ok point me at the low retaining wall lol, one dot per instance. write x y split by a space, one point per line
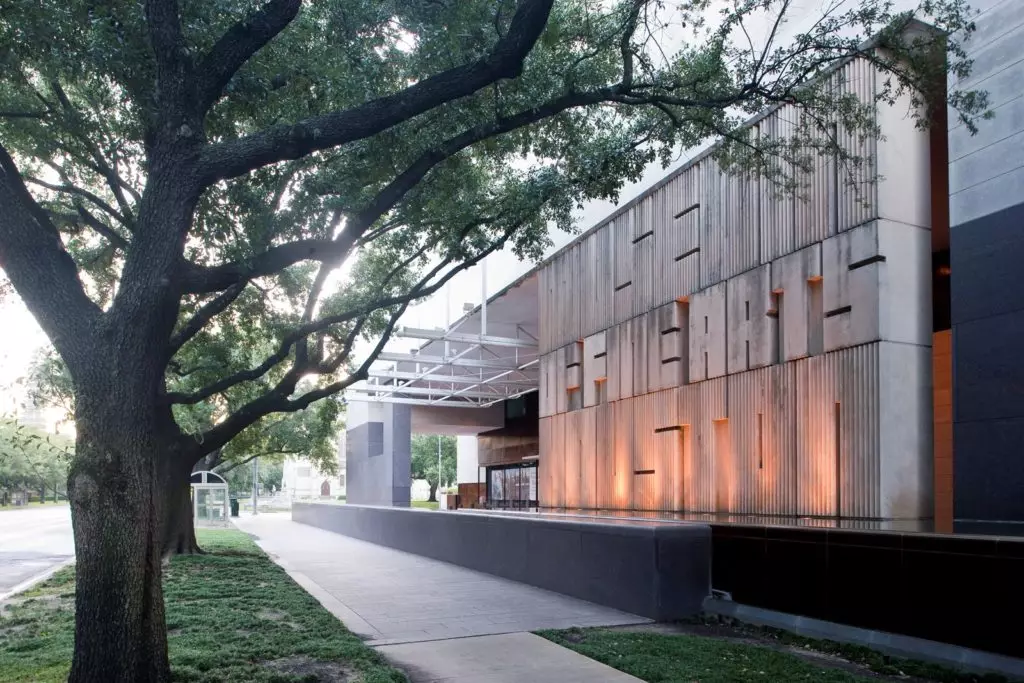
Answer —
963 590
658 572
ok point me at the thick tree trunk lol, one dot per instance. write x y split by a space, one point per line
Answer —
117 486
433 493
179 527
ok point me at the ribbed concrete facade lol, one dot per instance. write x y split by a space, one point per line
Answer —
715 347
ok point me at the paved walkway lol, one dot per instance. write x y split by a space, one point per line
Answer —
33 542
439 622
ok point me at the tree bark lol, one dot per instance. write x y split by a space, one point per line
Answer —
117 486
179 535
432 498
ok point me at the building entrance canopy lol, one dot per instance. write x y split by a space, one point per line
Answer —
487 356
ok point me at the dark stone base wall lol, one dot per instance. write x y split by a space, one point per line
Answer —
659 572
962 590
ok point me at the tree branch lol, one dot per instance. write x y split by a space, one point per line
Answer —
99 164
22 114
86 194
102 228
33 257
282 352
210 279
205 314
237 157
238 44
276 400
225 467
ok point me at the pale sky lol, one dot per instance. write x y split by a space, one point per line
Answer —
21 337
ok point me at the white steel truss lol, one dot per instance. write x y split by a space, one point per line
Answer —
464 338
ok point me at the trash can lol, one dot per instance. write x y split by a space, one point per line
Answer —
234 507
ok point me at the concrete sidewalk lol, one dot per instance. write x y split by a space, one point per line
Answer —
439 622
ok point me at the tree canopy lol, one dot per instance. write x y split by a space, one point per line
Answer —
32 460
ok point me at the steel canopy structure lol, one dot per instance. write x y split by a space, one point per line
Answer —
487 356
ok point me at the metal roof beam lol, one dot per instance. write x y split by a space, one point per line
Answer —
415 401
465 338
447 379
440 394
455 362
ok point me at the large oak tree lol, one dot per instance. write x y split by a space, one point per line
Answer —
286 177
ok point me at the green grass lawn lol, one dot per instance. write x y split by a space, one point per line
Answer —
681 658
232 615
424 504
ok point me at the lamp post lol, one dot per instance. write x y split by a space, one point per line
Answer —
438 468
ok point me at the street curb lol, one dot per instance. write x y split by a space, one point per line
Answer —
37 579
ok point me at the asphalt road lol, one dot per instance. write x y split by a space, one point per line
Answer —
33 541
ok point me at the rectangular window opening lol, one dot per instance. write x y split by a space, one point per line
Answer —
746 305
706 365
747 343
705 324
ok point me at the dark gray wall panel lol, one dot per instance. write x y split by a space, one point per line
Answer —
659 572
987 291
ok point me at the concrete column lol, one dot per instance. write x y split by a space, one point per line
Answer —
377 453
467 459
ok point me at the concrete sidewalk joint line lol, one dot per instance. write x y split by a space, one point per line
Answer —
403 604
